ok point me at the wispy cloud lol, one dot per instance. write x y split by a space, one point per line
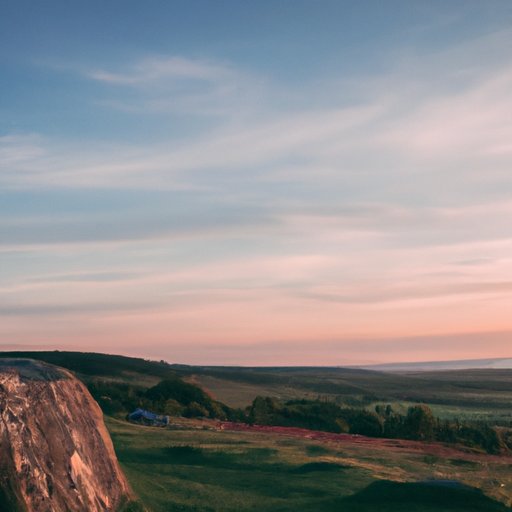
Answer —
393 132
395 293
162 85
154 70
60 309
368 209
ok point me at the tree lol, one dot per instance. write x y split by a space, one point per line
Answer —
420 423
262 410
195 410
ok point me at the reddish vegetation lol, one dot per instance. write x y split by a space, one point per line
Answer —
438 449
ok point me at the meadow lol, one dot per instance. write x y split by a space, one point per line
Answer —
464 394
196 467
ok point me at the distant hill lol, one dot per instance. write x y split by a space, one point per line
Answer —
99 365
428 366
453 385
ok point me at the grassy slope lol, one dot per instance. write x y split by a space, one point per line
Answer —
107 366
192 469
464 393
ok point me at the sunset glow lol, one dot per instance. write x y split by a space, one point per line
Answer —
289 183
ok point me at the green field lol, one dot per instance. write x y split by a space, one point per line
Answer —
465 394
197 469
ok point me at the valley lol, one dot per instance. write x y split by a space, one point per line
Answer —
212 457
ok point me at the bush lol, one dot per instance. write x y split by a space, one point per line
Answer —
365 423
419 423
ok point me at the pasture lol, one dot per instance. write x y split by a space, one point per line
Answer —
196 467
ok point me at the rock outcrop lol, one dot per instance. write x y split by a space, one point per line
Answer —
55 452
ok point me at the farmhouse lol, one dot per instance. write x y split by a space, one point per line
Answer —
148 418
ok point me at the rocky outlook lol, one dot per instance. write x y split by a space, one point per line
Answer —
55 452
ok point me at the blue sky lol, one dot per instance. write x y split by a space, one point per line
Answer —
257 182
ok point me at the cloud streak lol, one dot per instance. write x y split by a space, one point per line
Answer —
164 85
370 209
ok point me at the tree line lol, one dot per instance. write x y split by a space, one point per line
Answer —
418 423
175 397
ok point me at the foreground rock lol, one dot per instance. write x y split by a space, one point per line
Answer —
55 452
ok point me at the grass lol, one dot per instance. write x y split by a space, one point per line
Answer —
200 469
210 471
450 412
481 395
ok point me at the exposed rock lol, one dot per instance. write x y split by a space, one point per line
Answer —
55 452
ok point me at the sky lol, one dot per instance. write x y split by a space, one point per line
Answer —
257 183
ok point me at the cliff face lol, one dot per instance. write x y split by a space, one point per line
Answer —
55 452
